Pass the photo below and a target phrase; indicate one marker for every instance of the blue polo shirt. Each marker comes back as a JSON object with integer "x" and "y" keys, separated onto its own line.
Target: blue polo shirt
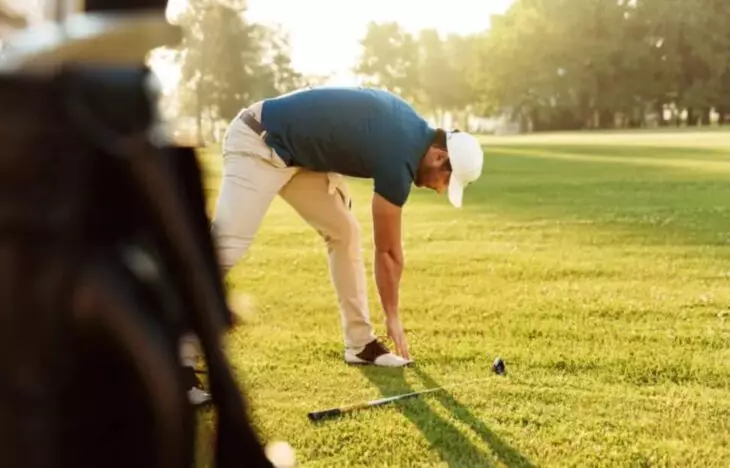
{"x": 356, "y": 132}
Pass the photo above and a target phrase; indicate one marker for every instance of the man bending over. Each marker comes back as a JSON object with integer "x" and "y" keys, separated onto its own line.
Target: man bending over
{"x": 299, "y": 146}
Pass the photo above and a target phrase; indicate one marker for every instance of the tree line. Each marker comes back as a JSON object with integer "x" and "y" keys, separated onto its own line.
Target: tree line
{"x": 547, "y": 64}
{"x": 227, "y": 62}
{"x": 567, "y": 64}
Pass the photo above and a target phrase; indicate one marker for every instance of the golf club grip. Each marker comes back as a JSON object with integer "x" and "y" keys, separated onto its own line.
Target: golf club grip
{"x": 320, "y": 415}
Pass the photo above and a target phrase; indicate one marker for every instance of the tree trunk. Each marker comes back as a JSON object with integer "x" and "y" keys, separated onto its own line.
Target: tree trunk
{"x": 659, "y": 109}
{"x": 605, "y": 119}
{"x": 534, "y": 119}
{"x": 706, "y": 118}
{"x": 692, "y": 117}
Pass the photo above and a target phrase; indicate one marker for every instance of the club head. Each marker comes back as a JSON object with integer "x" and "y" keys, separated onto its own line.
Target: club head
{"x": 499, "y": 367}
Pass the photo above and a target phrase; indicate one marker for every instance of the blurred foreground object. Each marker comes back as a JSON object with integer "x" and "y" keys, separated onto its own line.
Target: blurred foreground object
{"x": 106, "y": 260}
{"x": 10, "y": 19}
{"x": 110, "y": 35}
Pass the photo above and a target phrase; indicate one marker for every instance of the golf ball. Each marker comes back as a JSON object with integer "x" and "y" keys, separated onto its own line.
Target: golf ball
{"x": 281, "y": 454}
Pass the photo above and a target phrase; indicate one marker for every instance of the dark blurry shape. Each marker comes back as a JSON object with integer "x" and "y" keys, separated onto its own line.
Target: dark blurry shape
{"x": 120, "y": 5}
{"x": 120, "y": 38}
{"x": 499, "y": 366}
{"x": 106, "y": 260}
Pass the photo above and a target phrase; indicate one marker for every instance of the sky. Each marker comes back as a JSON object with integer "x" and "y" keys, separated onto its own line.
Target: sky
{"x": 324, "y": 34}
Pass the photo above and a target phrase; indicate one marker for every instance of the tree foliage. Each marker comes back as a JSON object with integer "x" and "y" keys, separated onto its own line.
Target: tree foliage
{"x": 227, "y": 63}
{"x": 390, "y": 60}
{"x": 568, "y": 64}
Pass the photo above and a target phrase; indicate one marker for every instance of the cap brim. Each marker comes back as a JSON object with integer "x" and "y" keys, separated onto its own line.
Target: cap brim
{"x": 456, "y": 191}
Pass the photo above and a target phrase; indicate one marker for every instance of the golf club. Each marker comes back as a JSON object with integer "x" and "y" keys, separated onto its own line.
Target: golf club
{"x": 333, "y": 412}
{"x": 497, "y": 368}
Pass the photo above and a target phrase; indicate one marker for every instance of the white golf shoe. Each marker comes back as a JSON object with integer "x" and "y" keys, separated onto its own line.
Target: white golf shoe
{"x": 374, "y": 353}
{"x": 197, "y": 394}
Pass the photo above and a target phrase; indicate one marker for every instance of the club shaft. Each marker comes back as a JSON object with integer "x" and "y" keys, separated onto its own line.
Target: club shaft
{"x": 324, "y": 414}
{"x": 382, "y": 401}
{"x": 318, "y": 415}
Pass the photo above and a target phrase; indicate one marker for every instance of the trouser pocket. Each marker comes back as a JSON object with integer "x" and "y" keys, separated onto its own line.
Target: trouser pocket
{"x": 337, "y": 185}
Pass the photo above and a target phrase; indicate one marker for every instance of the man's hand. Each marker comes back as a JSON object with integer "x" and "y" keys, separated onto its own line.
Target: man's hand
{"x": 389, "y": 266}
{"x": 396, "y": 333}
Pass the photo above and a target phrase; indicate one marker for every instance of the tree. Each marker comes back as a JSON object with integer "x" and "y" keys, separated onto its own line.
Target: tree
{"x": 276, "y": 75}
{"x": 428, "y": 71}
{"x": 594, "y": 63}
{"x": 460, "y": 93}
{"x": 227, "y": 63}
{"x": 567, "y": 64}
{"x": 390, "y": 60}
{"x": 517, "y": 69}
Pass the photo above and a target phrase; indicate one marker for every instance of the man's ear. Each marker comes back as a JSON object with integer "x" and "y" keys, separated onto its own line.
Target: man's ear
{"x": 441, "y": 155}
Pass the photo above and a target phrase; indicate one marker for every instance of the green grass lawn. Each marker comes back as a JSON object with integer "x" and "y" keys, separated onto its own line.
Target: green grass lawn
{"x": 597, "y": 266}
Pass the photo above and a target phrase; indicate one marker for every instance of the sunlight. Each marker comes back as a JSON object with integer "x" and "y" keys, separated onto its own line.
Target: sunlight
{"x": 325, "y": 34}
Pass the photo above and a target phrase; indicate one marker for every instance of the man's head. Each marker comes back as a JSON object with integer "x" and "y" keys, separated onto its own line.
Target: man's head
{"x": 453, "y": 161}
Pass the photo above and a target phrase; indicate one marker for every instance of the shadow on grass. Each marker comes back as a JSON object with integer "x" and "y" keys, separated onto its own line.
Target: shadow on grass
{"x": 446, "y": 439}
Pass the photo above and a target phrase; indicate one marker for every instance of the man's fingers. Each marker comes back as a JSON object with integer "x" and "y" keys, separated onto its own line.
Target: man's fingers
{"x": 402, "y": 347}
{"x": 400, "y": 343}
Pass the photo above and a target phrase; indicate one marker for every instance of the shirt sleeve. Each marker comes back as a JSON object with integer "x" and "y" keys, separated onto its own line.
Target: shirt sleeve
{"x": 393, "y": 183}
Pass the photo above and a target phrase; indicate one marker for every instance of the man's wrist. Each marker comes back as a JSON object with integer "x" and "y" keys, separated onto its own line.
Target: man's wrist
{"x": 391, "y": 314}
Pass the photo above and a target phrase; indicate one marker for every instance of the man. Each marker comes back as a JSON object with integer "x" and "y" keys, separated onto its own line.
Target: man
{"x": 299, "y": 146}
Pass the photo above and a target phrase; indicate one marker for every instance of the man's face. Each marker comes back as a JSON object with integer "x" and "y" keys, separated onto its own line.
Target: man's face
{"x": 434, "y": 171}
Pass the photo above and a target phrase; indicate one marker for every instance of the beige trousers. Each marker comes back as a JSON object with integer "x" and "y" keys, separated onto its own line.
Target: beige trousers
{"x": 253, "y": 175}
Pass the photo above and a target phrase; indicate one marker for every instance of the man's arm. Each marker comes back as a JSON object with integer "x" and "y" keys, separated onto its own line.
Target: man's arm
{"x": 388, "y": 252}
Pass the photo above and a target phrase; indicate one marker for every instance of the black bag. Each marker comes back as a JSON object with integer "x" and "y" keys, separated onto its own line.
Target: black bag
{"x": 106, "y": 260}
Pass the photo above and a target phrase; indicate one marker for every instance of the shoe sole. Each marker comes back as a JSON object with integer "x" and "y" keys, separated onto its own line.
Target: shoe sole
{"x": 362, "y": 362}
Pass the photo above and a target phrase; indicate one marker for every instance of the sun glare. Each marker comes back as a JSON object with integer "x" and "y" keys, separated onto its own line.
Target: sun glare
{"x": 325, "y": 34}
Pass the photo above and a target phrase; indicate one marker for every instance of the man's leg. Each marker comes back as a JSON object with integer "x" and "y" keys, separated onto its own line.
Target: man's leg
{"x": 327, "y": 209}
{"x": 248, "y": 188}
{"x": 251, "y": 179}
{"x": 252, "y": 176}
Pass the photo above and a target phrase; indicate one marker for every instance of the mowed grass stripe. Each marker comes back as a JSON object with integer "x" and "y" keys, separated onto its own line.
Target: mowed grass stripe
{"x": 604, "y": 287}
{"x": 656, "y": 151}
{"x": 653, "y": 161}
{"x": 689, "y": 138}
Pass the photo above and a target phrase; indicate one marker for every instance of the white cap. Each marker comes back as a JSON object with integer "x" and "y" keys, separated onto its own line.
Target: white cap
{"x": 467, "y": 158}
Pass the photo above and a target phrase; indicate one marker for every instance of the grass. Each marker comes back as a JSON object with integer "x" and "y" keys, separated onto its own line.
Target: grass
{"x": 597, "y": 266}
